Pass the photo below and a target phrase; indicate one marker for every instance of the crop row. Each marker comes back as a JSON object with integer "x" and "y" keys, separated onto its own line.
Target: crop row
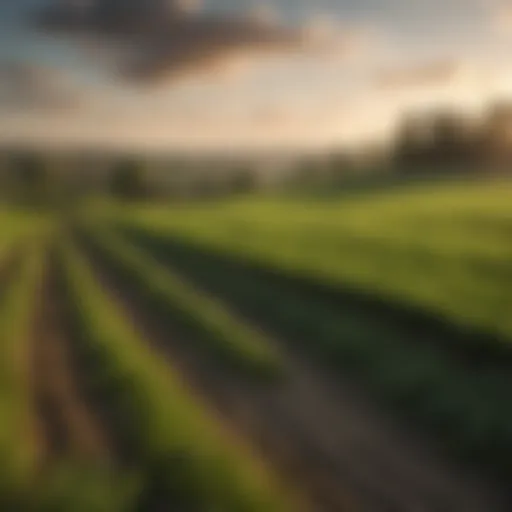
{"x": 471, "y": 292}
{"x": 462, "y": 400}
{"x": 31, "y": 480}
{"x": 187, "y": 458}
{"x": 446, "y": 250}
{"x": 458, "y": 337}
{"x": 18, "y": 443}
{"x": 200, "y": 316}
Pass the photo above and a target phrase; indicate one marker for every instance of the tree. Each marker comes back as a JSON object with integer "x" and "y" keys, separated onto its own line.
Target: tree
{"x": 244, "y": 181}
{"x": 31, "y": 181}
{"x": 435, "y": 140}
{"x": 497, "y": 134}
{"x": 128, "y": 181}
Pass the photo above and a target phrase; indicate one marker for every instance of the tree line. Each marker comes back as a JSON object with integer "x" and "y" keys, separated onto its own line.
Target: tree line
{"x": 436, "y": 142}
{"x": 443, "y": 139}
{"x": 39, "y": 179}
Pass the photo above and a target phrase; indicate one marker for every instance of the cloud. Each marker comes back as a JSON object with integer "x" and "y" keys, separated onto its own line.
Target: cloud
{"x": 162, "y": 39}
{"x": 502, "y": 20}
{"x": 431, "y": 74}
{"x": 28, "y": 86}
{"x": 206, "y": 45}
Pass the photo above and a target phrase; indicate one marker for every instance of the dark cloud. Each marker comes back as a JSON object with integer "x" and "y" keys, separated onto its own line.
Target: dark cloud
{"x": 162, "y": 38}
{"x": 430, "y": 74}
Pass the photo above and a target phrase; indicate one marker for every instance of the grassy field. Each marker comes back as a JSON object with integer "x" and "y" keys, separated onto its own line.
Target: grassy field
{"x": 19, "y": 225}
{"x": 446, "y": 249}
{"x": 159, "y": 446}
{"x": 348, "y": 352}
{"x": 225, "y": 338}
{"x": 18, "y": 459}
{"x": 408, "y": 291}
{"x": 168, "y": 431}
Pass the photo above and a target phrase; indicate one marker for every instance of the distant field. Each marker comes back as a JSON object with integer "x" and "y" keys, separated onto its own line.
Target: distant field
{"x": 444, "y": 248}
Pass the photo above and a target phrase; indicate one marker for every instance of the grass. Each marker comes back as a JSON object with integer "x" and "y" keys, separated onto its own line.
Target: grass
{"x": 189, "y": 460}
{"x": 445, "y": 248}
{"x": 436, "y": 259}
{"x": 17, "y": 225}
{"x": 461, "y": 396}
{"x": 408, "y": 289}
{"x": 64, "y": 484}
{"x": 18, "y": 444}
{"x": 226, "y": 339}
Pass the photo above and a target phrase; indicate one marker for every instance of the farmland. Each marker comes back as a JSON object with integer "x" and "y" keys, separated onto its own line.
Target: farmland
{"x": 402, "y": 245}
{"x": 260, "y": 353}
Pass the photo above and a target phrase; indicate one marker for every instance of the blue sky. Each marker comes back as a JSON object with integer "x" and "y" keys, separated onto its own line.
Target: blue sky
{"x": 369, "y": 61}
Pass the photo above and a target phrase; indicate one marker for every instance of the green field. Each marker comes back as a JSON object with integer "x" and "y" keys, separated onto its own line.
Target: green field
{"x": 407, "y": 290}
{"x": 191, "y": 356}
{"x": 445, "y": 248}
{"x": 164, "y": 448}
{"x": 19, "y": 226}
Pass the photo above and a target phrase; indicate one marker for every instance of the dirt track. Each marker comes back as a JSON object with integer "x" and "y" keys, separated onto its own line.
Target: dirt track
{"x": 324, "y": 438}
{"x": 67, "y": 425}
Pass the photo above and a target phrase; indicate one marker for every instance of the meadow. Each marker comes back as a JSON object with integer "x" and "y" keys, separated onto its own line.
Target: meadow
{"x": 444, "y": 248}
{"x": 260, "y": 353}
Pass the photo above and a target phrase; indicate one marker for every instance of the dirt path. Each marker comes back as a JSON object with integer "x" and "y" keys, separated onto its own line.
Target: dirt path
{"x": 67, "y": 425}
{"x": 276, "y": 437}
{"x": 326, "y": 440}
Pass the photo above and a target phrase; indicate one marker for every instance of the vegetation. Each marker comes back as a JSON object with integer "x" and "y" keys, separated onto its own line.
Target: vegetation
{"x": 446, "y": 250}
{"x": 424, "y": 320}
{"x": 189, "y": 460}
{"x": 128, "y": 181}
{"x": 446, "y": 139}
{"x": 404, "y": 289}
{"x": 23, "y": 486}
{"x": 200, "y": 316}
{"x": 460, "y": 395}
{"x": 17, "y": 225}
{"x": 18, "y": 447}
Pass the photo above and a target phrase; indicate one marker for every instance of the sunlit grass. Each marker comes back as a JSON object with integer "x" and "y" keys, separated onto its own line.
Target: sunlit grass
{"x": 223, "y": 336}
{"x": 197, "y": 465}
{"x": 18, "y": 444}
{"x": 446, "y": 248}
{"x": 17, "y": 226}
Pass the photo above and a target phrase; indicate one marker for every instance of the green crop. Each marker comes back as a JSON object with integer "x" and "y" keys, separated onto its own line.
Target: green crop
{"x": 18, "y": 444}
{"x": 190, "y": 462}
{"x": 426, "y": 371}
{"x": 204, "y": 318}
{"x": 445, "y": 248}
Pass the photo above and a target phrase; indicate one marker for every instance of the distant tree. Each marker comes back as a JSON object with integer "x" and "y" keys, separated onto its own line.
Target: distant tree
{"x": 244, "y": 181}
{"x": 5, "y": 177}
{"x": 30, "y": 179}
{"x": 435, "y": 140}
{"x": 127, "y": 181}
{"x": 451, "y": 141}
{"x": 411, "y": 142}
{"x": 497, "y": 134}
{"x": 304, "y": 174}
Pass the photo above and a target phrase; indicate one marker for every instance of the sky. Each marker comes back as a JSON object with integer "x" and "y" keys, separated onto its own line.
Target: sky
{"x": 231, "y": 75}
